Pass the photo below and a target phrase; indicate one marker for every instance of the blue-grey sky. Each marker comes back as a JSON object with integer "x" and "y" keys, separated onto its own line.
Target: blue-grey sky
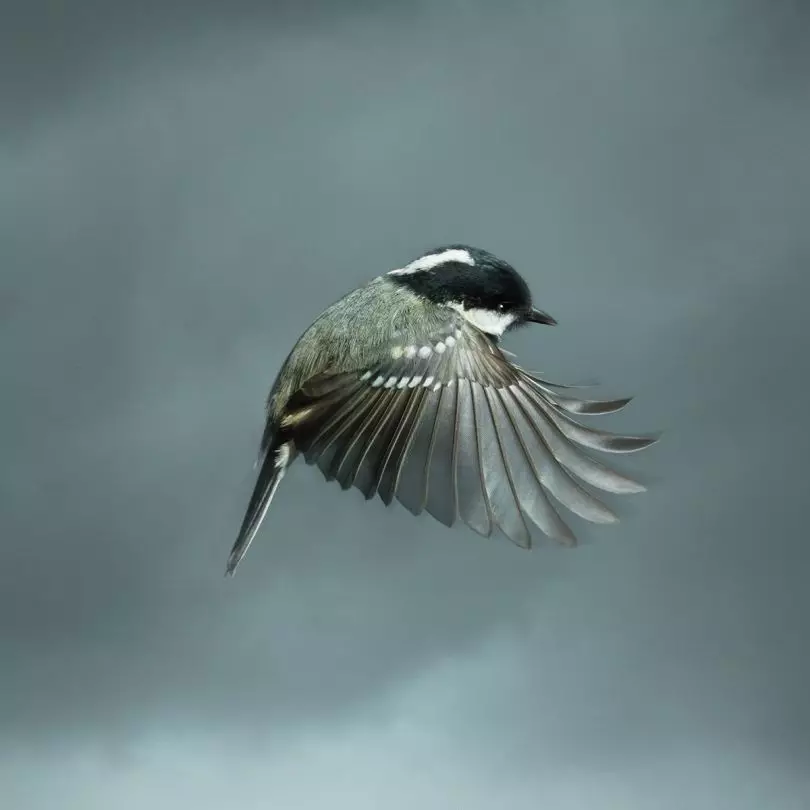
{"x": 183, "y": 187}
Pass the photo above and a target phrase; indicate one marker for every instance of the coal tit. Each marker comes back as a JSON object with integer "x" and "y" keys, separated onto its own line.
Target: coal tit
{"x": 401, "y": 389}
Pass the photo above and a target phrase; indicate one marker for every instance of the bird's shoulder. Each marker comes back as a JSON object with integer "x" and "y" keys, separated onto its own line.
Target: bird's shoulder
{"x": 358, "y": 330}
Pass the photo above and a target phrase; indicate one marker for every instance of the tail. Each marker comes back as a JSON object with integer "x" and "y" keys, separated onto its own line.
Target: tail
{"x": 272, "y": 471}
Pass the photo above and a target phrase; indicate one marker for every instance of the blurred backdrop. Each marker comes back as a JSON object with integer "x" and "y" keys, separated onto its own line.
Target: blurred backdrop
{"x": 183, "y": 187}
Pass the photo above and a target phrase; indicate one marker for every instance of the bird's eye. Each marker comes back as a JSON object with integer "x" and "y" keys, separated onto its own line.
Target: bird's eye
{"x": 501, "y": 307}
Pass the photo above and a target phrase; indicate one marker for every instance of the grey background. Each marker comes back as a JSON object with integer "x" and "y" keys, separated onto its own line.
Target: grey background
{"x": 183, "y": 186}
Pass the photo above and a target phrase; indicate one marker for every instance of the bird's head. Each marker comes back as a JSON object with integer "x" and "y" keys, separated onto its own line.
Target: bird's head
{"x": 486, "y": 290}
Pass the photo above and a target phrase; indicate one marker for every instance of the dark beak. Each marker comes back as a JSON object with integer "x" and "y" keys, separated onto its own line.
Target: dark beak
{"x": 538, "y": 316}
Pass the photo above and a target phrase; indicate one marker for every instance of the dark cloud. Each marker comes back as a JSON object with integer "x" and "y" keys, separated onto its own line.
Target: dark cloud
{"x": 178, "y": 201}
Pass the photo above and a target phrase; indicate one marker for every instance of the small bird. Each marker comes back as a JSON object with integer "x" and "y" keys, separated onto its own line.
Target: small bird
{"x": 401, "y": 389}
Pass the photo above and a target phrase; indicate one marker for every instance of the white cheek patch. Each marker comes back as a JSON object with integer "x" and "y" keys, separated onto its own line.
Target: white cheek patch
{"x": 433, "y": 260}
{"x": 493, "y": 323}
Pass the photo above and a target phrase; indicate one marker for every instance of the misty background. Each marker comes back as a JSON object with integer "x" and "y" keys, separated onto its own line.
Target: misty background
{"x": 183, "y": 188}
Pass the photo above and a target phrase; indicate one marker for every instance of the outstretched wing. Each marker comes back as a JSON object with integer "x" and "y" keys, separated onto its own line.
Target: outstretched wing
{"x": 450, "y": 426}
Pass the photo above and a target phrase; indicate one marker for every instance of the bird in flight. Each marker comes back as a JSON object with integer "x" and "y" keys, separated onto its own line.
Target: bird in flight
{"x": 402, "y": 390}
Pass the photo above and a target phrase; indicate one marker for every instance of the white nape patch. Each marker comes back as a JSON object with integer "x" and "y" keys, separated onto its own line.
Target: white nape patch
{"x": 433, "y": 260}
{"x": 487, "y": 320}
{"x": 425, "y": 351}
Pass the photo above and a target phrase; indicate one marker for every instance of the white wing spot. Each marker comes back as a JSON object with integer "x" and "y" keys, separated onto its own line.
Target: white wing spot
{"x": 415, "y": 381}
{"x": 390, "y": 382}
{"x": 397, "y": 352}
{"x": 440, "y": 347}
{"x": 366, "y": 376}
{"x": 458, "y": 334}
{"x": 437, "y": 386}
{"x": 378, "y": 382}
{"x": 428, "y": 381}
{"x": 410, "y": 351}
{"x": 403, "y": 381}
{"x": 450, "y": 341}
{"x": 425, "y": 351}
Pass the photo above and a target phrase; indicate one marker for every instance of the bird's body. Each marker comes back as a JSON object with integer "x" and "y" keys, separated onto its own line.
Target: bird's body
{"x": 401, "y": 389}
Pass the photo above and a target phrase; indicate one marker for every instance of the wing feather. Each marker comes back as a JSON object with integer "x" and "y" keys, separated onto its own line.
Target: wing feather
{"x": 546, "y": 432}
{"x": 502, "y": 486}
{"x": 332, "y": 452}
{"x": 390, "y": 471}
{"x": 356, "y": 443}
{"x": 588, "y": 436}
{"x": 379, "y": 442}
{"x": 472, "y": 498}
{"x": 531, "y": 493}
{"x": 440, "y": 490}
{"x": 414, "y": 466}
{"x": 552, "y": 476}
{"x": 453, "y": 428}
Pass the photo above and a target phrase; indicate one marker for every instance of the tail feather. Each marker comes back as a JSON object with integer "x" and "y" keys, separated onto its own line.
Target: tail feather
{"x": 273, "y": 467}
